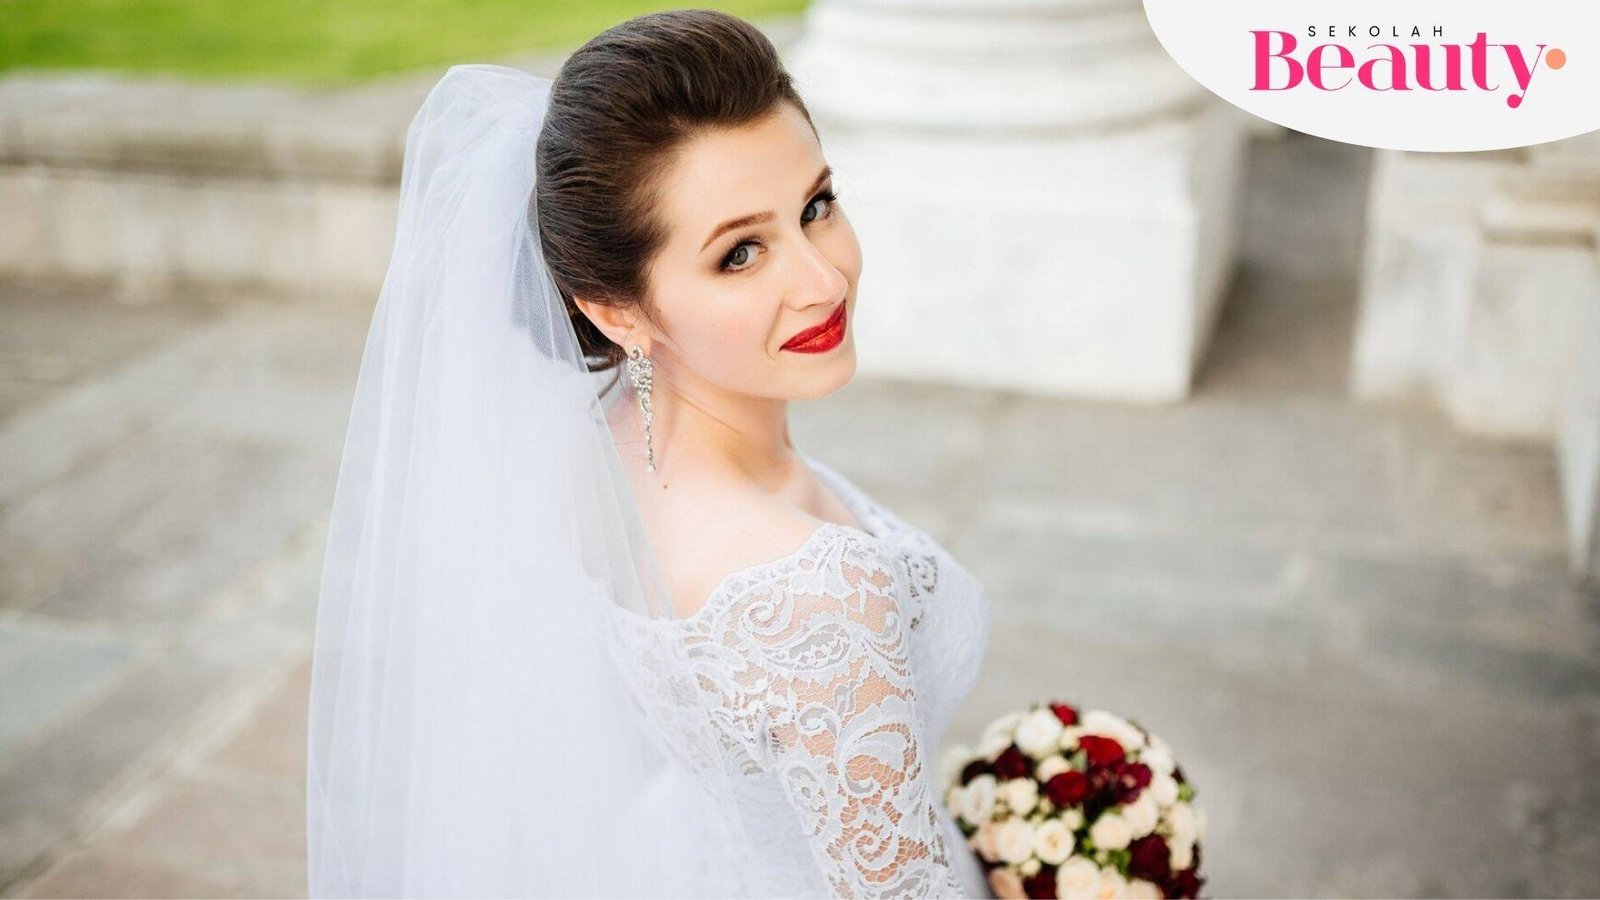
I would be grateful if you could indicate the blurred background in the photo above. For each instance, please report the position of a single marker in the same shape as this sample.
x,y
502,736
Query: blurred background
x,y
1286,448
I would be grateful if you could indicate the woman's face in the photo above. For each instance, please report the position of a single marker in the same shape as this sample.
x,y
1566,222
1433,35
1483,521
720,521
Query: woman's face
x,y
757,257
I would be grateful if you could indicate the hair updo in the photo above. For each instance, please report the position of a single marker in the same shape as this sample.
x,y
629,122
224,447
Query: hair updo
x,y
619,107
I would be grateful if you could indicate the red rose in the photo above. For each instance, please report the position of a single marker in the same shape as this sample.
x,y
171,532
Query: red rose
x,y
1183,884
1065,713
1042,884
1102,751
1011,763
1148,859
1130,780
1067,788
975,768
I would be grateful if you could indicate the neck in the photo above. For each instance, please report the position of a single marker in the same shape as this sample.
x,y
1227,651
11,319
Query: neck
x,y
700,427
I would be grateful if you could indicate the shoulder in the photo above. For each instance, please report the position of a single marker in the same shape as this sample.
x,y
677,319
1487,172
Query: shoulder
x,y
719,537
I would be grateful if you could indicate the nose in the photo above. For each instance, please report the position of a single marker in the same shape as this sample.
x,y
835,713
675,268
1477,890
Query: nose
x,y
817,281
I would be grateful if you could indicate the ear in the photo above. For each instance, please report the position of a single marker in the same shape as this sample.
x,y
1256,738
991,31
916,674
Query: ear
x,y
620,324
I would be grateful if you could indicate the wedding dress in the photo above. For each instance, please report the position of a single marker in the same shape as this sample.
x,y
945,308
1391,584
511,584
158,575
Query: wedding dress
x,y
503,701
835,671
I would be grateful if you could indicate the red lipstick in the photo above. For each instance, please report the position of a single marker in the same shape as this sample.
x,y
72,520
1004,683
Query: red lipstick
x,y
819,338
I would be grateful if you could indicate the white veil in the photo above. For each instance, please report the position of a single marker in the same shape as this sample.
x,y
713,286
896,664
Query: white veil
x,y
474,730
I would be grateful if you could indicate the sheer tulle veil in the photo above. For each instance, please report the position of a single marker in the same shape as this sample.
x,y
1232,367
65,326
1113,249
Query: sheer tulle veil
x,y
474,729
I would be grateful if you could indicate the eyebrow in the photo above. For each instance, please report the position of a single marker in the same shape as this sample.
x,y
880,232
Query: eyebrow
x,y
757,218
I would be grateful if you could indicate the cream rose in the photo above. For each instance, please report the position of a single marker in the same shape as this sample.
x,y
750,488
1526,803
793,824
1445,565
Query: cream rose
x,y
1050,767
1030,867
1112,885
1180,818
954,760
1142,814
1052,842
1110,831
983,841
1073,819
1069,737
1021,794
1014,840
1039,732
1180,855
1077,879
977,800
1139,889
1164,788
1007,885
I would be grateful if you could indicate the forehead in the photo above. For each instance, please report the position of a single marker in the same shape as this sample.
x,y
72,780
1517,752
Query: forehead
x,y
725,173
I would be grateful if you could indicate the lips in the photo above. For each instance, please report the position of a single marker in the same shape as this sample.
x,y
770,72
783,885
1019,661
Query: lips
x,y
820,338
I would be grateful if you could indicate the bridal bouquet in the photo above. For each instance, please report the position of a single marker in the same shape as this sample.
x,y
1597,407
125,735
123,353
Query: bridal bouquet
x,y
1058,804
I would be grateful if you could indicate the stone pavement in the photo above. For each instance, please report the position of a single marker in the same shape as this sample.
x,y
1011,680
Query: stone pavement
x,y
1352,623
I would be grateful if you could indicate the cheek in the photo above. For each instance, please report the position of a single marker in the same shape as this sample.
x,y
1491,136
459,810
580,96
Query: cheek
x,y
844,251
732,331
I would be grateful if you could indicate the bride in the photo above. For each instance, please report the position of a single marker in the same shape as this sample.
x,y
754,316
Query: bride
x,y
590,624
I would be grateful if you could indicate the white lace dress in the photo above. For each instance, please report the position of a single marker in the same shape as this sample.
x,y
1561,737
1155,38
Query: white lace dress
x,y
833,673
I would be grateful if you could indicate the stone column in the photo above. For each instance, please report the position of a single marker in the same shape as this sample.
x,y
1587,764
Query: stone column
x,y
1481,294
1045,201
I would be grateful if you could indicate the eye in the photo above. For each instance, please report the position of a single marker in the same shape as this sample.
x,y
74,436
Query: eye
x,y
827,197
743,254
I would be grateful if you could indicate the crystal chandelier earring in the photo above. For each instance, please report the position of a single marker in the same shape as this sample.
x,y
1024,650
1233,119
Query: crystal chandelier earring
x,y
642,373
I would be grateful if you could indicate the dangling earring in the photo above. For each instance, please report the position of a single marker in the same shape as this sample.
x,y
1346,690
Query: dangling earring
x,y
642,373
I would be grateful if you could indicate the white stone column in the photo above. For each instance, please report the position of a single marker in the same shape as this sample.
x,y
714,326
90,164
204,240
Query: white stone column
x,y
1045,201
1481,293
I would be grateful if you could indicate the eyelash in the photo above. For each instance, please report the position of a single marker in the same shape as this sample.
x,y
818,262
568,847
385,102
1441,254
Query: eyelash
x,y
830,196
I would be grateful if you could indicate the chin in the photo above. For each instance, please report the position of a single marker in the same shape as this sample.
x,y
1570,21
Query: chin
x,y
834,376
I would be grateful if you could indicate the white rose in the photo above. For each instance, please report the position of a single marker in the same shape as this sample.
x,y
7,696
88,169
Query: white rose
x,y
1051,766
993,744
1142,814
1029,868
1006,884
1038,733
1164,788
954,760
1077,879
983,841
1052,842
1069,737
977,800
1110,831
1139,889
1014,840
1022,795
1180,855
1073,819
1112,885
1157,759
1105,724
1005,726
1181,819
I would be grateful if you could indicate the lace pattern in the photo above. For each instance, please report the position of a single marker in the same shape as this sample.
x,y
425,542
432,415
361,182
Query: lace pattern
x,y
824,694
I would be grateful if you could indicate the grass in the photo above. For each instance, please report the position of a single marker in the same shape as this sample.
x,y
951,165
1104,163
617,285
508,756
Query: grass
x,y
306,41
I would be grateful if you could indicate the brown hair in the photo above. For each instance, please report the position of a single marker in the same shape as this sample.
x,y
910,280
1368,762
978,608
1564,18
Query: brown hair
x,y
619,107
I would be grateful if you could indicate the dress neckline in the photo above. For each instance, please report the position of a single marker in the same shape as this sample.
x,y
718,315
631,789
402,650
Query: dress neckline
x,y
873,527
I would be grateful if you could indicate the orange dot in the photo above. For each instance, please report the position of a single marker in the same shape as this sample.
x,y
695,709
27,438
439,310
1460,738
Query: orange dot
x,y
1555,57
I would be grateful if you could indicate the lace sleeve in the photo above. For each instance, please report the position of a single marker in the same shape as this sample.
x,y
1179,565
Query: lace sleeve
x,y
829,645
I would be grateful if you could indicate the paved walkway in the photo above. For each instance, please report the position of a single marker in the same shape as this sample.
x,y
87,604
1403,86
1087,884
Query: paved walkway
x,y
1351,622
